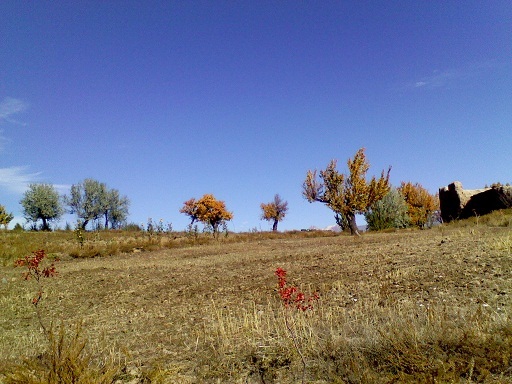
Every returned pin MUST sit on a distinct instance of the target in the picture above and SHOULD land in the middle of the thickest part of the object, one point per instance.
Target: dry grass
(410, 306)
(108, 243)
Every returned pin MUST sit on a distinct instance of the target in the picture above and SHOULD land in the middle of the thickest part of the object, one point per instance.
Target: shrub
(390, 212)
(132, 227)
(18, 228)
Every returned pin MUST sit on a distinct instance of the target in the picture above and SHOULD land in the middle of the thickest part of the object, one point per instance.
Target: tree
(90, 200)
(274, 211)
(42, 202)
(390, 212)
(87, 200)
(346, 195)
(208, 210)
(5, 218)
(421, 204)
(190, 209)
(116, 210)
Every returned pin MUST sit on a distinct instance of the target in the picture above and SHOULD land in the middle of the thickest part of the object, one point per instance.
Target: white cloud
(10, 106)
(438, 79)
(16, 179)
(446, 78)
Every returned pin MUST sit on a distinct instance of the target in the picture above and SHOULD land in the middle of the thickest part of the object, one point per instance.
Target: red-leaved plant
(293, 298)
(36, 271)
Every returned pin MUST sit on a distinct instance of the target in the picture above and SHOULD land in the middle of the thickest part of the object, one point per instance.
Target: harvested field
(407, 306)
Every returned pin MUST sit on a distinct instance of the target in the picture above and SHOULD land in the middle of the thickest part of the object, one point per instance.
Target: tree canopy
(346, 194)
(208, 210)
(90, 200)
(42, 202)
(421, 204)
(5, 218)
(274, 211)
(116, 210)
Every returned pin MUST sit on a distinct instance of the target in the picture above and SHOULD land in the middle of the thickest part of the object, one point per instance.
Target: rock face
(459, 203)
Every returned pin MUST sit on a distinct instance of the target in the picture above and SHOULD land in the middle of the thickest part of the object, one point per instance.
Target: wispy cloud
(449, 77)
(16, 179)
(439, 79)
(9, 107)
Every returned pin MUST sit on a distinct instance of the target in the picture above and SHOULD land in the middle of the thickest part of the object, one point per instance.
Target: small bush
(18, 228)
(132, 227)
(390, 212)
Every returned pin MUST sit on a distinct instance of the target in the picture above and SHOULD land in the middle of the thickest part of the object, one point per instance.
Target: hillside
(407, 306)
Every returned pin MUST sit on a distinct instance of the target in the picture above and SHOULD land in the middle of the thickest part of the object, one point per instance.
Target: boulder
(458, 203)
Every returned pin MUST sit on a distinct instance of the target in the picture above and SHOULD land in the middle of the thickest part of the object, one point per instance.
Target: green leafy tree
(390, 212)
(42, 202)
(91, 200)
(274, 211)
(5, 218)
(87, 200)
(347, 195)
(116, 210)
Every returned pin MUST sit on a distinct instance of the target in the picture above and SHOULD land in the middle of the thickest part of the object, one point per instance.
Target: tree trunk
(274, 227)
(352, 224)
(45, 224)
(84, 224)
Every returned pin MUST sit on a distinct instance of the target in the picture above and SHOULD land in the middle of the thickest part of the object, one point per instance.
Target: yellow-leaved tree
(346, 195)
(5, 218)
(208, 210)
(421, 204)
(274, 211)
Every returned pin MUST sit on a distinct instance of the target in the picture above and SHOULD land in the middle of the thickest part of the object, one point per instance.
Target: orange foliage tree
(421, 204)
(346, 195)
(208, 210)
(274, 211)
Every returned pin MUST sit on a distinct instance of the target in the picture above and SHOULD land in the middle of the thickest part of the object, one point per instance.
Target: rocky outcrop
(459, 203)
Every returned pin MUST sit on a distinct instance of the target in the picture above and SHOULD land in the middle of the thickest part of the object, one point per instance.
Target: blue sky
(168, 100)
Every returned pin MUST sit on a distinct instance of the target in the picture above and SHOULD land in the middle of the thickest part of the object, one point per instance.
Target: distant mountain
(335, 228)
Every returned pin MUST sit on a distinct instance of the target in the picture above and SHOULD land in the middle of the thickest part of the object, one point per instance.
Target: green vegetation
(408, 306)
(41, 202)
(390, 212)
(91, 200)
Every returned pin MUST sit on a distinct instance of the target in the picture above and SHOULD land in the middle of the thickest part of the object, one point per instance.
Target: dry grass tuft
(65, 360)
